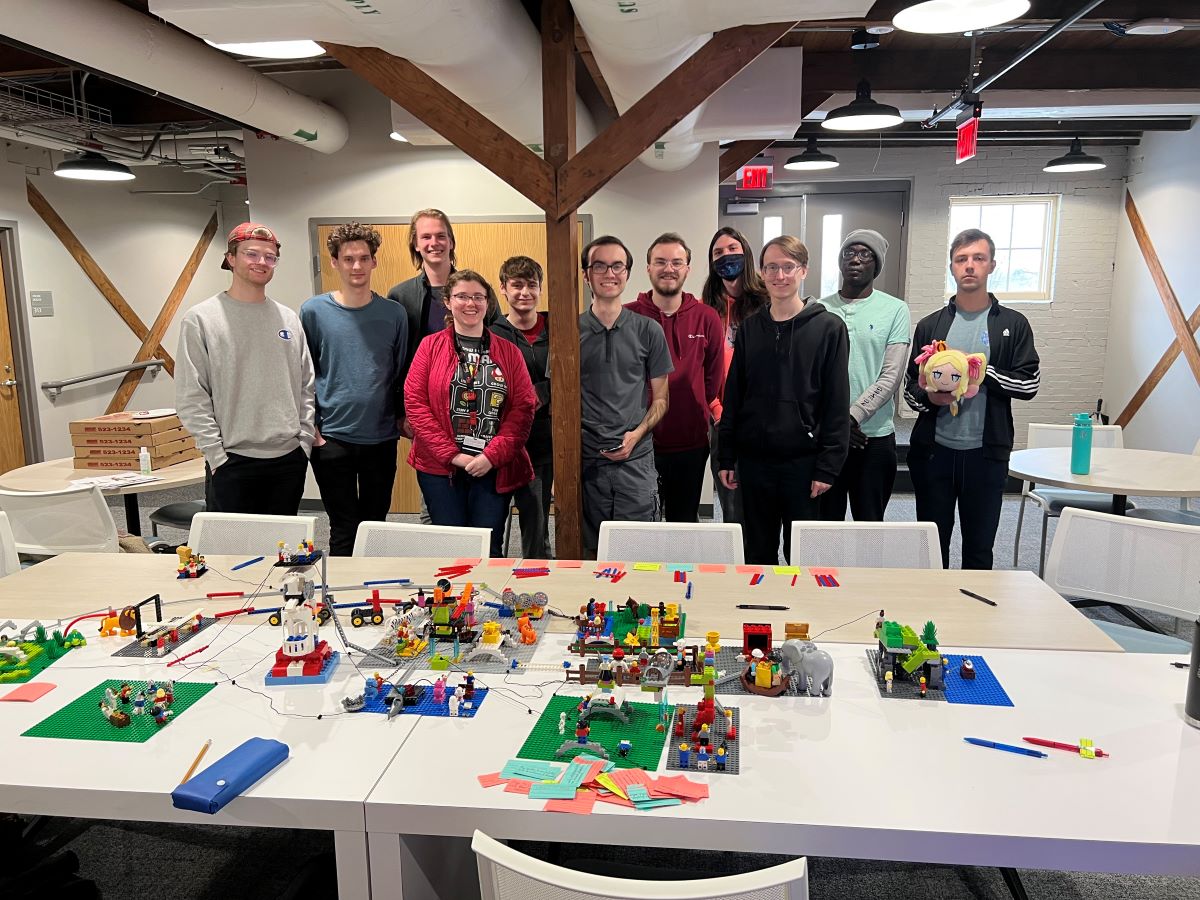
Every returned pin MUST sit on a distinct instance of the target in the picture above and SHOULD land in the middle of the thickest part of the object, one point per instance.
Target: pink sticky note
(467, 561)
(615, 800)
(569, 564)
(815, 571)
(29, 691)
(535, 564)
(581, 805)
(518, 786)
(749, 570)
(713, 568)
(491, 779)
(501, 563)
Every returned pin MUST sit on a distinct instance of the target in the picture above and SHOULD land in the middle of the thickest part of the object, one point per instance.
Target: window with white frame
(1025, 230)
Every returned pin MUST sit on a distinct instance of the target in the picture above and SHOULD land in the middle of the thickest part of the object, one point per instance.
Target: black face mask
(730, 265)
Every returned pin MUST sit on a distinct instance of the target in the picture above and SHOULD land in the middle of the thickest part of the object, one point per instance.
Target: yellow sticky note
(787, 570)
(646, 567)
(607, 781)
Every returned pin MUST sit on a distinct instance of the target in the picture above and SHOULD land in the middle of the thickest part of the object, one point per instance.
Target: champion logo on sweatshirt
(285, 334)
(703, 337)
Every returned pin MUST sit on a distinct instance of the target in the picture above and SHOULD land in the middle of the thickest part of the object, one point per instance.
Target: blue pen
(248, 562)
(1008, 748)
(688, 596)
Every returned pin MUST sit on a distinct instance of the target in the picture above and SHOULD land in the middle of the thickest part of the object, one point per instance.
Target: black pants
(731, 501)
(680, 479)
(866, 480)
(775, 493)
(247, 484)
(356, 486)
(533, 513)
(943, 478)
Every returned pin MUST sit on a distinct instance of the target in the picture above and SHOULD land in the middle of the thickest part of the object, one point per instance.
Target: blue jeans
(459, 499)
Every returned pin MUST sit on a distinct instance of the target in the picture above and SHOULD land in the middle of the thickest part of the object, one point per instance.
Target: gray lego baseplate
(731, 681)
(512, 649)
(732, 766)
(903, 686)
(136, 650)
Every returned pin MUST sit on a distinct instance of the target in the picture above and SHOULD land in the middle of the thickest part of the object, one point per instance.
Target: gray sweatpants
(617, 492)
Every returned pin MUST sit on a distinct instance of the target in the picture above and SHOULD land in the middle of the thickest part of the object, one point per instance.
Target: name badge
(470, 442)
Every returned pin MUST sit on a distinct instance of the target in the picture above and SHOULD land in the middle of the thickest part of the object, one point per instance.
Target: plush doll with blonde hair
(943, 370)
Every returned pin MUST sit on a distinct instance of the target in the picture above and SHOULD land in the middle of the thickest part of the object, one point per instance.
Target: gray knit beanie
(873, 240)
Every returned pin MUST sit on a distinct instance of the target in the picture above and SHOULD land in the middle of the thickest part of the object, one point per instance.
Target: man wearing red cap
(244, 385)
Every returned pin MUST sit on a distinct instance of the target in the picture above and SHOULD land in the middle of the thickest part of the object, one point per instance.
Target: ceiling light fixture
(880, 29)
(397, 136)
(1153, 26)
(862, 113)
(811, 159)
(863, 40)
(89, 166)
(950, 16)
(272, 49)
(1075, 160)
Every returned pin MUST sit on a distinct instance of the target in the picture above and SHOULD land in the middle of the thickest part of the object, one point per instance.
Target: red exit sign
(755, 178)
(968, 133)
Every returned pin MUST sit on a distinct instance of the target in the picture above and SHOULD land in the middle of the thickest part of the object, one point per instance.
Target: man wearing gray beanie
(879, 327)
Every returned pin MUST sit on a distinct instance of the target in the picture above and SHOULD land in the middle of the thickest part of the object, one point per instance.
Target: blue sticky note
(554, 791)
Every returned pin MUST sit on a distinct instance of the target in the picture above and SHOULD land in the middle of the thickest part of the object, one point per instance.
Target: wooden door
(481, 246)
(12, 442)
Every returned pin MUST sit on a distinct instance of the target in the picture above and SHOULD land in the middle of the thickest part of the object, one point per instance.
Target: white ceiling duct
(108, 37)
(637, 43)
(488, 53)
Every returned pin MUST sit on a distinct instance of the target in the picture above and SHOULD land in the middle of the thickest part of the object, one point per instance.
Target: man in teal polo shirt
(879, 327)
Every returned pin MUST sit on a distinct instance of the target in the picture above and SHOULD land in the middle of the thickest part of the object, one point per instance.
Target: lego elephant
(810, 667)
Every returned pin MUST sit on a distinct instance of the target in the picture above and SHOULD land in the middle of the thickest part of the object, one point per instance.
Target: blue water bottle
(1081, 445)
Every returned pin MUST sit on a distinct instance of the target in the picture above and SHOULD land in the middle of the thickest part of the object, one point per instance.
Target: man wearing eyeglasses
(623, 357)
(878, 325)
(695, 339)
(244, 385)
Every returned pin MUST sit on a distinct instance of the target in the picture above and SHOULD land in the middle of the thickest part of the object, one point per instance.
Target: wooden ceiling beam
(589, 62)
(1112, 10)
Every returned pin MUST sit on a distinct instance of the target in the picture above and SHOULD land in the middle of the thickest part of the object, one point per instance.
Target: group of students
(792, 399)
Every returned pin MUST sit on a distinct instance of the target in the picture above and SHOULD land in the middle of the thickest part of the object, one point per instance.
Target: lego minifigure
(623, 747)
(887, 681)
(469, 685)
(721, 755)
(924, 686)
(370, 690)
(454, 701)
(139, 703)
(439, 690)
(124, 693)
(730, 728)
(967, 669)
(702, 758)
(684, 756)
(581, 732)
(110, 698)
(161, 714)
(169, 692)
(562, 722)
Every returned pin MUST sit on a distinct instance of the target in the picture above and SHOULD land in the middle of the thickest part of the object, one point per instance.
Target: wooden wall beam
(563, 271)
(466, 128)
(666, 104)
(93, 271)
(165, 315)
(737, 154)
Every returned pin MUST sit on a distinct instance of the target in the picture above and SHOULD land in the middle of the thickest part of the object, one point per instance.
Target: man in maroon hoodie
(696, 340)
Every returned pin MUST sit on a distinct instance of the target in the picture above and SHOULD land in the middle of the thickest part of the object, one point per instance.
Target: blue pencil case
(208, 791)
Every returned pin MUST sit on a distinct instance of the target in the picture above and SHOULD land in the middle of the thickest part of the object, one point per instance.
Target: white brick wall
(1071, 331)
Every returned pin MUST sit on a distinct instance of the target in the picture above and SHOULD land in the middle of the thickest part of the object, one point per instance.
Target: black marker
(756, 606)
(977, 597)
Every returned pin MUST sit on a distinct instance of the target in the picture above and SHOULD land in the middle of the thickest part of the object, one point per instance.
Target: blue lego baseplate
(321, 677)
(425, 706)
(983, 690)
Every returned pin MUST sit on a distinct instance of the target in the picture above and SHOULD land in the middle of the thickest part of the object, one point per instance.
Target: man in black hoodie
(785, 431)
(521, 284)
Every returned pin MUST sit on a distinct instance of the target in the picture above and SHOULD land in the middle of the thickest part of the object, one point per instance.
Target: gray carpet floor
(149, 860)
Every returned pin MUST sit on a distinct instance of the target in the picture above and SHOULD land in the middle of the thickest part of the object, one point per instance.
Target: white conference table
(851, 776)
(1121, 472)
(57, 475)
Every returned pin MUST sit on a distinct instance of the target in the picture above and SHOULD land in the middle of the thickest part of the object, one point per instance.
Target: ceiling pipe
(108, 37)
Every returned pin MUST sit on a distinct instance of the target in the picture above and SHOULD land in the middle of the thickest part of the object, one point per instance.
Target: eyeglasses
(669, 264)
(469, 298)
(266, 259)
(599, 268)
(772, 269)
(865, 255)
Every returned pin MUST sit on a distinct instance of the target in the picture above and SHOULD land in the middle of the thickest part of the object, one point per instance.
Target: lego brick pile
(587, 780)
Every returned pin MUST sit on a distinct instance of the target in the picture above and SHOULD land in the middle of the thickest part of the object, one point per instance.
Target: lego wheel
(324, 615)
(276, 618)
(356, 619)
(377, 618)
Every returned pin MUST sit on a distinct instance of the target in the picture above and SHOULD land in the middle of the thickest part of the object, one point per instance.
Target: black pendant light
(862, 113)
(811, 159)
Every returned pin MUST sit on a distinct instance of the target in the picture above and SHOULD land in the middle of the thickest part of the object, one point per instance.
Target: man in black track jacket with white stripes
(963, 460)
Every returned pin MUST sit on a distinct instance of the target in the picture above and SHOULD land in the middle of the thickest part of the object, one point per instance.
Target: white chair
(507, 874)
(46, 523)
(1120, 561)
(401, 539)
(1051, 500)
(866, 545)
(216, 534)
(9, 560)
(671, 542)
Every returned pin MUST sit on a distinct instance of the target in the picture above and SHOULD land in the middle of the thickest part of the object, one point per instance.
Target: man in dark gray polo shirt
(620, 354)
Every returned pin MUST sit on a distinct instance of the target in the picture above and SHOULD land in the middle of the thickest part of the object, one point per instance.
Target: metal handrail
(55, 387)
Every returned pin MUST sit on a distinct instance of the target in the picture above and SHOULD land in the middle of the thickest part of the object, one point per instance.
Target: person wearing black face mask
(878, 325)
(736, 291)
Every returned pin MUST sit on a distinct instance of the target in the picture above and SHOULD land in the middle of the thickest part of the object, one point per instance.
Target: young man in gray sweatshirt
(244, 385)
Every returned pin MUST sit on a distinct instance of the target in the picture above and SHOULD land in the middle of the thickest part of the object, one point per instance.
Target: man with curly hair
(359, 342)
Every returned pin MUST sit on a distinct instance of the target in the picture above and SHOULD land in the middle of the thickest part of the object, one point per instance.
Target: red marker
(1057, 745)
(794, 577)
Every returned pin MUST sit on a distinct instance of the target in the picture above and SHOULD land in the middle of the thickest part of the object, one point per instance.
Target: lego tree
(929, 635)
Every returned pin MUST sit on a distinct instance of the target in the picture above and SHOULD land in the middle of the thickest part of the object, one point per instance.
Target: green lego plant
(929, 634)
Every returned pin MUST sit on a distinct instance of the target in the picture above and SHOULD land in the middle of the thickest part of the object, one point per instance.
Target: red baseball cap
(248, 231)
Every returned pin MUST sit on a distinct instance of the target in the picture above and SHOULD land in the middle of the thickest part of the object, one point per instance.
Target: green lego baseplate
(544, 740)
(82, 720)
(39, 655)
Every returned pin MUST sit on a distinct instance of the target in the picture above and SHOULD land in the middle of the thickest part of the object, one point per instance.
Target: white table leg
(353, 865)
(421, 867)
